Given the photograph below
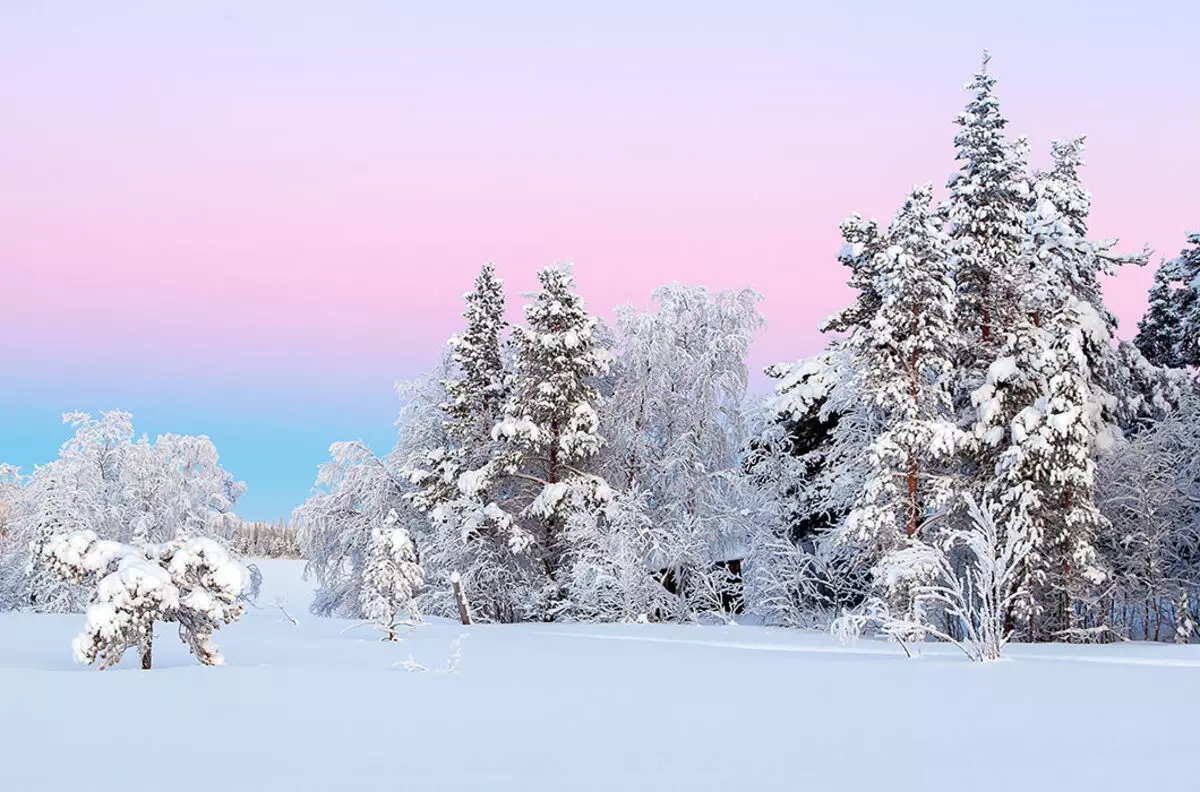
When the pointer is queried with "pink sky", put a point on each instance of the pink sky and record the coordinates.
(292, 197)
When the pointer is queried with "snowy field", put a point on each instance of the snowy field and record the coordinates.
(319, 706)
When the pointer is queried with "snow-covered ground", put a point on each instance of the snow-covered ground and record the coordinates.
(319, 706)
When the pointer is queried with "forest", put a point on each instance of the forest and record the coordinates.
(974, 457)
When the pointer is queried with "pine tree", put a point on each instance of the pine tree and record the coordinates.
(986, 214)
(391, 575)
(905, 356)
(1072, 426)
(1187, 271)
(550, 425)
(476, 397)
(1169, 332)
(1160, 329)
(862, 242)
(461, 482)
(1045, 405)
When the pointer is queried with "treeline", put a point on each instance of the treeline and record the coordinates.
(257, 539)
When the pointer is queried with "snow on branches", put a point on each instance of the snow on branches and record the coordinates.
(192, 582)
(124, 488)
(391, 576)
(966, 603)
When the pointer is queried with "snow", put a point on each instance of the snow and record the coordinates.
(588, 707)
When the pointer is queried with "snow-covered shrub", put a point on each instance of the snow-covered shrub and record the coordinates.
(1148, 488)
(391, 576)
(616, 562)
(974, 592)
(192, 582)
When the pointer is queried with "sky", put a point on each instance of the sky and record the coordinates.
(248, 220)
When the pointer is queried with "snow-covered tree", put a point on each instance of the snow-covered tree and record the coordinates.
(617, 563)
(475, 398)
(1160, 330)
(1148, 488)
(122, 487)
(193, 582)
(1185, 621)
(812, 458)
(355, 492)
(1056, 393)
(986, 214)
(965, 603)
(391, 576)
(1169, 331)
(257, 539)
(1187, 272)
(550, 427)
(460, 483)
(13, 544)
(905, 356)
(676, 425)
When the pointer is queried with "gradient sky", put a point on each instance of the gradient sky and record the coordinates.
(248, 219)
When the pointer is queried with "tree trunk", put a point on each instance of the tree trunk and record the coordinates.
(913, 501)
(914, 372)
(464, 615)
(148, 651)
(985, 328)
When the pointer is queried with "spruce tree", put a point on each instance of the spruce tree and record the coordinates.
(461, 482)
(905, 355)
(475, 398)
(1160, 329)
(1188, 268)
(550, 426)
(986, 214)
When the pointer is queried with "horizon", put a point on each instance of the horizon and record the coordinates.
(272, 216)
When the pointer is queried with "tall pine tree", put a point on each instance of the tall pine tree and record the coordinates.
(905, 355)
(986, 214)
(550, 425)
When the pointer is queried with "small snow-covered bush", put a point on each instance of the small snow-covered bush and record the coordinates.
(391, 576)
(192, 582)
(974, 595)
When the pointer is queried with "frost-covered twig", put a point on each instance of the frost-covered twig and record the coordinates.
(452, 659)
(279, 604)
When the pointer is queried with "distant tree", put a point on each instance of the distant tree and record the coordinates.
(1160, 330)
(1169, 332)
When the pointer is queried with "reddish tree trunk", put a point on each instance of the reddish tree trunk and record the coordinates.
(913, 496)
